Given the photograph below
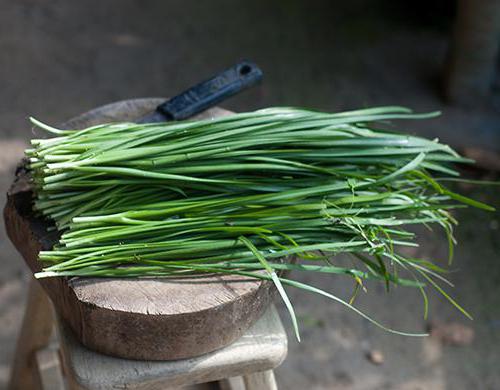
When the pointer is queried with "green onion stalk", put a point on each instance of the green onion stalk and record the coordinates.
(239, 194)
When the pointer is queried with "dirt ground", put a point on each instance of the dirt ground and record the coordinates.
(60, 58)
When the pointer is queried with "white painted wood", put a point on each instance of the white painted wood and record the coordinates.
(263, 347)
(264, 380)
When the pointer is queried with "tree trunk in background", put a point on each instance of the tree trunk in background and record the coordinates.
(472, 57)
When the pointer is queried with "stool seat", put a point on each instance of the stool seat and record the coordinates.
(263, 347)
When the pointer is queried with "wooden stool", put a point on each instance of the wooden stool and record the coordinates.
(245, 364)
(181, 331)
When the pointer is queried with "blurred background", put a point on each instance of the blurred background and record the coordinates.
(61, 58)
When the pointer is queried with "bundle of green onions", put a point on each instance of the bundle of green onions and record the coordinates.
(238, 194)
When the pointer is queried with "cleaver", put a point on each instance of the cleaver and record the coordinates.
(206, 94)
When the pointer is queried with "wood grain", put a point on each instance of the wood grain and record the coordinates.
(146, 319)
(262, 347)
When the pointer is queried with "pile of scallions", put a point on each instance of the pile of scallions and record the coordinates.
(242, 194)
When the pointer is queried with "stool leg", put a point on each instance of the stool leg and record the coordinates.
(260, 381)
(35, 334)
(233, 383)
(49, 369)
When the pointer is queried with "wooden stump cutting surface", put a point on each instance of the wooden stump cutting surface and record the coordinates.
(145, 319)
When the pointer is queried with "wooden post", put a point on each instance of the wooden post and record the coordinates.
(471, 61)
(35, 334)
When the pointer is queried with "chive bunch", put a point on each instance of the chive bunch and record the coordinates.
(244, 193)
